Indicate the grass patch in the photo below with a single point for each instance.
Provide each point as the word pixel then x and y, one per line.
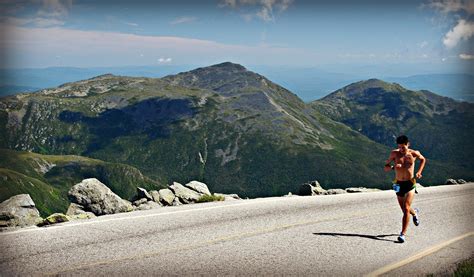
pixel 210 198
pixel 465 268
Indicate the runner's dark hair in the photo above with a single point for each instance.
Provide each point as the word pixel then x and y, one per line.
pixel 402 139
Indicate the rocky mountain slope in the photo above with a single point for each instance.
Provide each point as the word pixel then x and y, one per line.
pixel 229 127
pixel 438 126
pixel 48 178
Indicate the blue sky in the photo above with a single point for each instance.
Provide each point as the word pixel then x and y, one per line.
pixel 411 34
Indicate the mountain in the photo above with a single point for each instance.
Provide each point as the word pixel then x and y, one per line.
pixel 14 81
pixel 224 125
pixel 48 178
pixel 439 127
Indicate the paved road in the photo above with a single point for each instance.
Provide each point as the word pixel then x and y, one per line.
pixel 351 234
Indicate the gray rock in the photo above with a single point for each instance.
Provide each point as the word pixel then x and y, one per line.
pixel 336 191
pixel 198 187
pixel 166 197
pixel 360 189
pixel 139 202
pixel 76 211
pixel 461 181
pixel 19 211
pixel 156 196
pixel 176 202
pixel 451 182
pixel 55 218
pixel 184 194
pixel 148 206
pixel 312 188
pixel 228 197
pixel 142 193
pixel 98 198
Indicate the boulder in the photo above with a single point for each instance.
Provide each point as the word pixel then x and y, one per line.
pixel 166 197
pixel 156 196
pixel 184 194
pixel 336 191
pixel 450 182
pixel 360 189
pixel 19 211
pixel 228 197
pixel 76 211
pixel 148 206
pixel 198 187
pixel 176 202
pixel 55 218
pixel 98 198
pixel 142 193
pixel 139 202
pixel 312 188
pixel 461 181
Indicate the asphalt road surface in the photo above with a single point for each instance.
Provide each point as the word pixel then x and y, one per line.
pixel 336 235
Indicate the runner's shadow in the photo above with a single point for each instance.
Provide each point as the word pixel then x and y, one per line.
pixel 378 237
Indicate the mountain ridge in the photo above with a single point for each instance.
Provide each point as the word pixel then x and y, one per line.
pixel 238 132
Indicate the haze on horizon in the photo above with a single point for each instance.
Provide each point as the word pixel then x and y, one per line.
pixel 416 36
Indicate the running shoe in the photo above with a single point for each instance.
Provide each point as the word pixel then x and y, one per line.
pixel 401 238
pixel 416 219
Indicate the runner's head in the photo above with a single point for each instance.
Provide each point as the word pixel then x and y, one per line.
pixel 403 143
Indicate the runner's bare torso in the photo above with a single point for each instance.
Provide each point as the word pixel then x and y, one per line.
pixel 404 163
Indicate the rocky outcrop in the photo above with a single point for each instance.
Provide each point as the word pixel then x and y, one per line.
pixel 461 181
pixel 360 189
pixel 228 197
pixel 142 193
pixel 450 182
pixel 97 198
pixel 76 211
pixel 156 196
pixel 185 194
pixel 148 206
pixel 54 219
pixel 166 197
pixel 198 187
pixel 312 188
pixel 335 191
pixel 19 211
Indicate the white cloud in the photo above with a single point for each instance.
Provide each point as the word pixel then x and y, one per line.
pixel 164 60
pixel 47 22
pixel 37 47
pixel 452 6
pixel 131 24
pixel 466 56
pixel 55 8
pixel 183 19
pixel 37 21
pixel 462 31
pixel 423 44
pixel 265 8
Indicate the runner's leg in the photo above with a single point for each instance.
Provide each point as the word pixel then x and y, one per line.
pixel 407 210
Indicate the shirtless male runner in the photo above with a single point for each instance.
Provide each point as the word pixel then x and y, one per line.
pixel 404 167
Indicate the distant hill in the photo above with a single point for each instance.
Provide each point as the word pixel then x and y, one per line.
pixel 308 83
pixel 438 126
pixel 48 178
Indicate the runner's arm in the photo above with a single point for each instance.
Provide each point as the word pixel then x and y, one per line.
pixel 388 162
pixel 422 164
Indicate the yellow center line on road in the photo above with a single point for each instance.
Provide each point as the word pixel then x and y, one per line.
pixel 214 241
pixel 418 256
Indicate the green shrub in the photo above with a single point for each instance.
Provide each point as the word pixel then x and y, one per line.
pixel 466 268
pixel 210 198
